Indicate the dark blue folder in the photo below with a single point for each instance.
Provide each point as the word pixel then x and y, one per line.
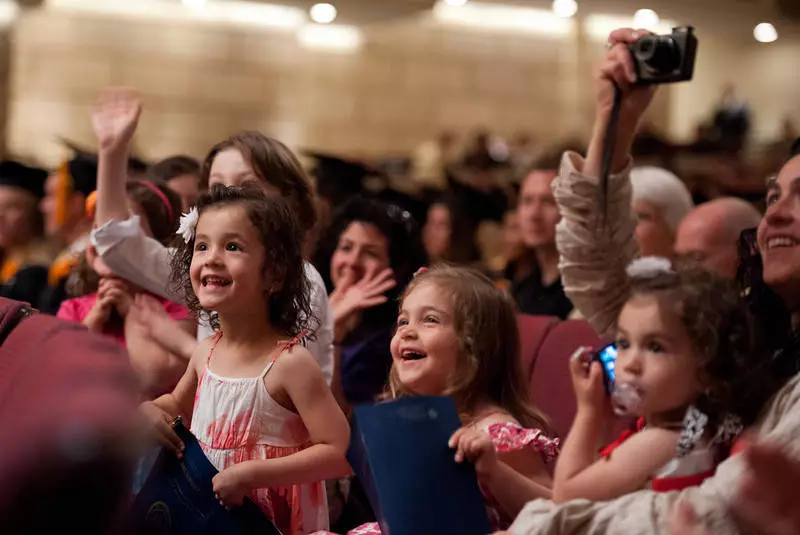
pixel 178 499
pixel 399 452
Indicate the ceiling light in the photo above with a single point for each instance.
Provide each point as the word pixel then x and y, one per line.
pixel 193 3
pixel 323 13
pixel 765 33
pixel 645 18
pixel 501 17
pixel 330 37
pixel 8 12
pixel 565 8
pixel 455 3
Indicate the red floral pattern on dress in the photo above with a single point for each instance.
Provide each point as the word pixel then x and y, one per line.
pixel 508 437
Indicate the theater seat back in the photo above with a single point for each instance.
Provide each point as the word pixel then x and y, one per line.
pixel 550 384
pixel 532 332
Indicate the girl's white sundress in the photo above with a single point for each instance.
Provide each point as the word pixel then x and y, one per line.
pixel 236 420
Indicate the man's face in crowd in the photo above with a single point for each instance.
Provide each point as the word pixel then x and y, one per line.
pixel 537 209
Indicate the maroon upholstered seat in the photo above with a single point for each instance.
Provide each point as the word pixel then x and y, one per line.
pixel 68 403
pixel 550 383
pixel 532 332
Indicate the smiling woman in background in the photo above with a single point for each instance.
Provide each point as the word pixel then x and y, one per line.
pixel 368 257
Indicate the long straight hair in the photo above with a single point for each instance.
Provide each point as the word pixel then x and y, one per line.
pixel 489 366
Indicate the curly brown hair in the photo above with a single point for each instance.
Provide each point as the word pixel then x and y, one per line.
pixel 288 303
pixel 274 164
pixel 489 366
pixel 722 332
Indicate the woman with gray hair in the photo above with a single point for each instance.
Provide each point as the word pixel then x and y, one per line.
pixel 660 201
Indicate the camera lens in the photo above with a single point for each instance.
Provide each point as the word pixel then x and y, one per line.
pixel 659 53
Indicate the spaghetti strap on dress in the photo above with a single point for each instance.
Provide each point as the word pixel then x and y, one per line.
pixel 236 420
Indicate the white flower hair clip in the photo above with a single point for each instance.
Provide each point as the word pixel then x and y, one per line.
pixel 648 267
pixel 188 224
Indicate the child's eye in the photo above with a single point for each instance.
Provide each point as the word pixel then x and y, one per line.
pixel 655 347
pixel 232 247
pixel 200 246
pixel 431 319
pixel 401 322
pixel 772 198
pixel 621 343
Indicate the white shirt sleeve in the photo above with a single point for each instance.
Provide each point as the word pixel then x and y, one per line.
pixel 132 255
pixel 322 346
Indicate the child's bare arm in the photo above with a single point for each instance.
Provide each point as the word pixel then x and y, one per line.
pixel 626 470
pixel 161 411
pixel 114 119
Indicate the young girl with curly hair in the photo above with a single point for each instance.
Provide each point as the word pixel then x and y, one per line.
pixel 687 367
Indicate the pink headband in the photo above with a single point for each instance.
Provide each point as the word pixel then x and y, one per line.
pixel 161 196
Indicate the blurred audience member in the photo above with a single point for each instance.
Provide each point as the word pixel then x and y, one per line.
pixel 66 221
pixel 437 232
pixel 660 201
pixel 182 175
pixel 512 237
pixel 512 248
pixel 523 153
pixel 534 275
pixel 367 258
pixel 108 304
pixel 431 159
pixel 477 186
pixel 788 130
pixel 709 234
pixel 484 151
pixel 27 257
pixel 731 120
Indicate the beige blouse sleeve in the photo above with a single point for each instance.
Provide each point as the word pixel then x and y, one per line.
pixel 593 258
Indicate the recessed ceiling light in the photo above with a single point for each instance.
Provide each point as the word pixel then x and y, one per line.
pixel 455 3
pixel 765 33
pixel 646 18
pixel 323 13
pixel 565 8
pixel 193 3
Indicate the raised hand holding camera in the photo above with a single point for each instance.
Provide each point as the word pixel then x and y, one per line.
pixel 665 59
pixel 625 81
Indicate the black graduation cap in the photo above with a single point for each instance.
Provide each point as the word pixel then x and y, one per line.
pixel 82 168
pixel 30 179
pixel 339 179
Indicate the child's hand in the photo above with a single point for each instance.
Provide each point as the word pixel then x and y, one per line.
pixel 100 312
pixel 114 118
pixel 147 312
pixel 477 446
pixel 232 485
pixel 118 293
pixel 161 424
pixel 587 381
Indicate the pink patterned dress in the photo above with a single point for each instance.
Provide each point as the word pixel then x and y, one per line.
pixel 236 420
pixel 507 437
